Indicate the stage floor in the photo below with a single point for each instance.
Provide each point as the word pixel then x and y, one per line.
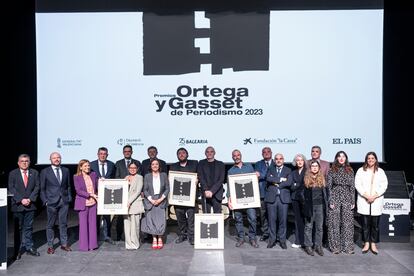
pixel 182 259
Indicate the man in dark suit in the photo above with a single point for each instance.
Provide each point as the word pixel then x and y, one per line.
pixel 121 171
pixel 277 200
pixel 185 214
pixel 121 166
pixel 262 167
pixel 24 185
pixel 211 176
pixel 55 192
pixel 152 154
pixel 104 169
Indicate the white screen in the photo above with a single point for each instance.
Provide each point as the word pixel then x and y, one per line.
pixel 323 87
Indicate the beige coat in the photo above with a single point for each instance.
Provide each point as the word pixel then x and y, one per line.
pixel 363 186
pixel 134 196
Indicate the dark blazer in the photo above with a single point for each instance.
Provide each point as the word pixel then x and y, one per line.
pixel 19 192
pixel 51 191
pixel 261 167
pixel 146 164
pixel 81 193
pixel 110 170
pixel 216 187
pixel 121 170
pixel 149 190
pixel 297 184
pixel 284 187
pixel 308 206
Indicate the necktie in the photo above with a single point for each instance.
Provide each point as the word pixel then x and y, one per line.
pixel 103 170
pixel 278 171
pixel 58 175
pixel 128 162
pixel 25 178
pixel 267 164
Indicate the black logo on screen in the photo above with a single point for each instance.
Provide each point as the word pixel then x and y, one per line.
pixel 237 41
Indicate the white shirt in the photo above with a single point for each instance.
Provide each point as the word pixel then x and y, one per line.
pixel 156 184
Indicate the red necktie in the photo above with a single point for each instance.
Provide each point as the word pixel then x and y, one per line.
pixel 25 178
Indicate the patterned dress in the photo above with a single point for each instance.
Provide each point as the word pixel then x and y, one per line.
pixel 340 219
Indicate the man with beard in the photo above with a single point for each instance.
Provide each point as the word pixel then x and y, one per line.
pixel 185 214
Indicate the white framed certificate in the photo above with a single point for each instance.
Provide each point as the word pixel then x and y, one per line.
pixel 209 231
pixel 182 188
pixel 244 191
pixel 112 197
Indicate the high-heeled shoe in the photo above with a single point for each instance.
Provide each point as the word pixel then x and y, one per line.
pixel 365 251
pixel 154 244
pixel 374 251
pixel 160 244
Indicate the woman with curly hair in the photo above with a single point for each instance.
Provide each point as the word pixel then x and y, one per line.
pixel 314 208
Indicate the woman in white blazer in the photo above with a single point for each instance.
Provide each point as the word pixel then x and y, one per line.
pixel 135 208
pixel 371 183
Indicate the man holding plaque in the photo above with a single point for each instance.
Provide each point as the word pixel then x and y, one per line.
pixel 185 214
pixel 241 168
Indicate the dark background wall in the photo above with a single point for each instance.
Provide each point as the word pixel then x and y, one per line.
pixel 18 104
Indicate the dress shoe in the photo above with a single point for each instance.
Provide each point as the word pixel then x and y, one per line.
pixel 239 242
pixel 319 250
pixel 350 252
pixel 32 252
pixel 270 244
pixel 66 248
pixel 294 245
pixel 191 241
pixel 254 244
pixel 109 240
pixel 180 239
pixel 264 238
pixel 50 250
pixel 18 256
pixel 283 245
pixel 309 250
pixel 375 252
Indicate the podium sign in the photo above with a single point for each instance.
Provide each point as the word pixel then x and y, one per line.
pixel 3 229
pixel 395 220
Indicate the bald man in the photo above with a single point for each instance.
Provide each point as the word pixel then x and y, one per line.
pixel 55 192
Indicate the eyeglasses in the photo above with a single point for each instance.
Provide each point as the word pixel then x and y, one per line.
pixel 24 161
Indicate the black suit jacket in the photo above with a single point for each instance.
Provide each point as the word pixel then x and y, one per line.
pixel 51 191
pixel 110 170
pixel 297 184
pixel 216 187
pixel 121 170
pixel 282 186
pixel 16 187
pixel 146 166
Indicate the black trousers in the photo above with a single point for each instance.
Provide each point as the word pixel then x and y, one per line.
pixel 106 231
pixel 370 228
pixel 299 222
pixel 264 225
pixel 211 202
pixel 185 219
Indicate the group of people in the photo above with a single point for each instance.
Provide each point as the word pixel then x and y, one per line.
pixel 322 197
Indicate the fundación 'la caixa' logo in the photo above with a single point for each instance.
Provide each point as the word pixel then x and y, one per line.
pixel 183 141
pixel 278 140
pixel 180 44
